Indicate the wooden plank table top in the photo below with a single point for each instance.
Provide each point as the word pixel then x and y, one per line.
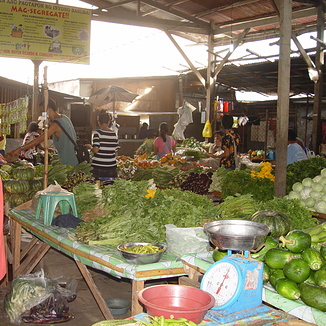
pixel 108 260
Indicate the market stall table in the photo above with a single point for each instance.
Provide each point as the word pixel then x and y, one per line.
pixel 195 266
pixel 106 259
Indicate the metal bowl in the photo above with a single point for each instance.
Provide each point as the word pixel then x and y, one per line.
pixel 118 306
pixel 237 234
pixel 141 258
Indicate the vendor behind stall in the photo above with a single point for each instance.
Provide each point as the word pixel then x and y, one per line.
pixel 295 152
pixel 230 143
pixel 143 132
pixel 213 159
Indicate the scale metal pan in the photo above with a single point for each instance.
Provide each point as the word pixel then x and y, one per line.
pixel 237 234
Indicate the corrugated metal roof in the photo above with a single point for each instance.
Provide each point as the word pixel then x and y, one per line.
pixel 196 19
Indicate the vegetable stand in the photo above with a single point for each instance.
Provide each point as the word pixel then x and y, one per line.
pixel 196 264
pixel 106 259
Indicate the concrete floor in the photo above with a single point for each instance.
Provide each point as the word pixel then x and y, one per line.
pixel 84 307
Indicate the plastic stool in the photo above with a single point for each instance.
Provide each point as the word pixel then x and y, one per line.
pixel 49 201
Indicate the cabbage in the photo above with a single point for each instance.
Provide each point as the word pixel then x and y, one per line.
pixel 320 206
pixel 322 180
pixel 293 195
pixel 316 194
pixel 317 178
pixel 298 187
pixel 317 187
pixel 309 202
pixel 307 182
pixel 305 193
pixel 323 172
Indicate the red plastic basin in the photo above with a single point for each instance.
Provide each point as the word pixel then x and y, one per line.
pixel 177 300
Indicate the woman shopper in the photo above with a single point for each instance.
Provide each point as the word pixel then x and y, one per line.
pixel 163 144
pixel 105 143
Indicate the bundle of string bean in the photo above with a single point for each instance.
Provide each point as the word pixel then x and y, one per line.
pixel 237 207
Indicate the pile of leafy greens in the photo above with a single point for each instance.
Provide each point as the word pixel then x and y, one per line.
pixel 240 182
pixel 133 217
pixel 300 170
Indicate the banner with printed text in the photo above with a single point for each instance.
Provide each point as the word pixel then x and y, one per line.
pixel 44 31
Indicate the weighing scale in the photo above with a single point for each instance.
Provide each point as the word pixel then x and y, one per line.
pixel 235 281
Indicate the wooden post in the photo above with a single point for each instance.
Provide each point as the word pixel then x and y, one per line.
pixel 210 81
pixel 283 90
pixel 318 89
pixel 266 131
pixel 35 108
pixel 46 129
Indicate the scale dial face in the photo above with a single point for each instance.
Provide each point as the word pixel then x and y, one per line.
pixel 221 280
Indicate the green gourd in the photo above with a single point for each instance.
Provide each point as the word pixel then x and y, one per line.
pixel 278 222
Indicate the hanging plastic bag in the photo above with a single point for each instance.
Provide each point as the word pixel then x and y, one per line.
pixel 207 131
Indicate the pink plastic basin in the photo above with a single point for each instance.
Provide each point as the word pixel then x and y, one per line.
pixel 176 300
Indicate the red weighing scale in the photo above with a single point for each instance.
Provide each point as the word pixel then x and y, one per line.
pixel 235 281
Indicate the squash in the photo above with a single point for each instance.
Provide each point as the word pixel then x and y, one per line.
pixel 17 199
pixel 23 173
pixel 16 186
pixel 36 184
pixel 278 222
pixel 4 175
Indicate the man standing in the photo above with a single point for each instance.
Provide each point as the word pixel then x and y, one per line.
pixel 64 146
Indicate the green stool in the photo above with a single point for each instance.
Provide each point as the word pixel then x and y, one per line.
pixel 49 201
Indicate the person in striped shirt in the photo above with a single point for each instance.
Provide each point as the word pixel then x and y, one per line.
pixel 105 143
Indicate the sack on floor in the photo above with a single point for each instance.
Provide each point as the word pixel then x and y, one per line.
pixel 34 298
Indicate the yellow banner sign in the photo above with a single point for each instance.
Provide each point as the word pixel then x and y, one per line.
pixel 44 31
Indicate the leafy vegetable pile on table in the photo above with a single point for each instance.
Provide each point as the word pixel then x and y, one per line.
pixel 192 142
pixel 311 192
pixel 242 182
pixel 136 213
pixel 161 175
pixel 243 206
pixel 309 168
